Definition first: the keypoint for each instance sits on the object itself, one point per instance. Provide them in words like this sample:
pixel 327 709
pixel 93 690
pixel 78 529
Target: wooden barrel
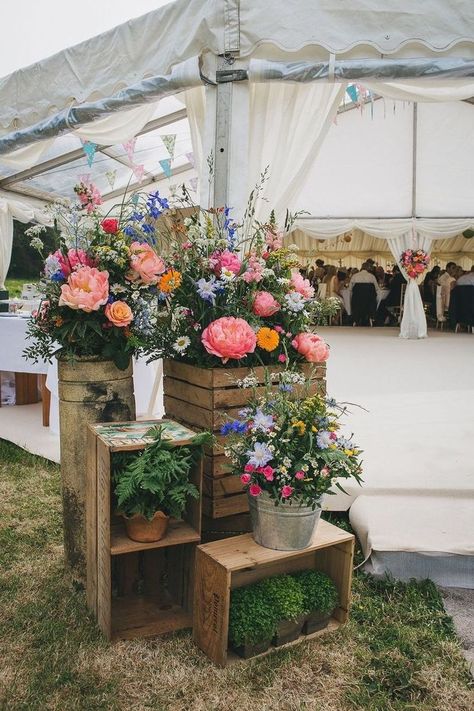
pixel 90 391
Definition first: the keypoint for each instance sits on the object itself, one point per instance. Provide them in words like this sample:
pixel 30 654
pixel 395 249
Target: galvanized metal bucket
pixel 286 527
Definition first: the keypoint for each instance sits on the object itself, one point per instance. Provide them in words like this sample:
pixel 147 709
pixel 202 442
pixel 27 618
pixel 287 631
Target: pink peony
pixel 226 260
pixel 300 475
pixel 229 338
pixel 146 265
pixel 286 491
pixel 245 478
pixel 311 347
pixel 301 285
pixel 264 304
pixel 74 258
pixel 255 490
pixel 87 289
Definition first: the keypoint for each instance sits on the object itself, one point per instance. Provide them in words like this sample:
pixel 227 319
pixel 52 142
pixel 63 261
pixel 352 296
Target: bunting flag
pixel 353 93
pixel 129 147
pixel 85 178
pixel 169 140
pixel 190 159
pixel 134 199
pixel 111 176
pixel 89 149
pixel 166 166
pixel 138 171
pixel 193 183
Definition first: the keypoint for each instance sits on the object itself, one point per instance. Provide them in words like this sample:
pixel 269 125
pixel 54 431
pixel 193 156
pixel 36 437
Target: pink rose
pixel 74 258
pixel 301 285
pixel 110 225
pixel 286 491
pixel 282 358
pixel 249 468
pixel 268 472
pixel 311 347
pixel 227 260
pixel 245 478
pixel 87 289
pixel 264 304
pixel 119 313
pixel 229 338
pixel 300 475
pixel 255 490
pixel 146 265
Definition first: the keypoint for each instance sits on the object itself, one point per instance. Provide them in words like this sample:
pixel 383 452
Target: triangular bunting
pixel 169 140
pixel 89 149
pixel 190 159
pixel 85 178
pixel 193 183
pixel 129 147
pixel 166 166
pixel 353 93
pixel 135 198
pixel 138 171
pixel 111 176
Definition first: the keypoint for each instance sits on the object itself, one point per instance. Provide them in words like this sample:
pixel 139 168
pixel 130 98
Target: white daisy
pixel 181 344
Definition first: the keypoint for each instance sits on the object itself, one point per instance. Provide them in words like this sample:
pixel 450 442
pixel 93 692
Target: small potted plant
pixel 155 485
pixel 286 597
pixel 320 599
pixel 252 620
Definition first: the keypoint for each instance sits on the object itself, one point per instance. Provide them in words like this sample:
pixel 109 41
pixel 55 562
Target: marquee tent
pixel 261 89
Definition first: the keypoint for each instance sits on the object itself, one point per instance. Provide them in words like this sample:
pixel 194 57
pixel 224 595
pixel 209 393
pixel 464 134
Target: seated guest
pixel 466 279
pixel 363 289
pixel 429 289
pixel 380 276
pixel 445 280
pixel 364 277
pixel 393 297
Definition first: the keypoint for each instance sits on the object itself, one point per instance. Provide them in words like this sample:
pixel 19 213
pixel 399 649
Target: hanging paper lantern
pixel 468 234
pixel 347 238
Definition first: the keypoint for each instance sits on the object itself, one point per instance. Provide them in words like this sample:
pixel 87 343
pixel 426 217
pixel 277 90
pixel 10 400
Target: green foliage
pixel 285 595
pixel 251 618
pixel 320 593
pixel 156 479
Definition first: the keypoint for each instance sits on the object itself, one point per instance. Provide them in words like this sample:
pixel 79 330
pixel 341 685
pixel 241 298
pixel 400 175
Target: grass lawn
pixel 14 286
pixel 398 652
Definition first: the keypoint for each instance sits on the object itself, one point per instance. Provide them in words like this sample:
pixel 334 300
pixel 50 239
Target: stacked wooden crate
pixel 206 398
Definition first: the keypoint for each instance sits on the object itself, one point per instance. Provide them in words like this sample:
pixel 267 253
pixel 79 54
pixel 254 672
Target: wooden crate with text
pixel 137 589
pixel 224 565
pixel 206 398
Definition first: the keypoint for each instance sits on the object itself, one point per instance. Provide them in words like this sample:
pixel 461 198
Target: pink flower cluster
pixel 226 260
pixel 75 258
pixel 89 195
pixel 254 271
pixel 301 285
pixel 414 262
pixel 145 264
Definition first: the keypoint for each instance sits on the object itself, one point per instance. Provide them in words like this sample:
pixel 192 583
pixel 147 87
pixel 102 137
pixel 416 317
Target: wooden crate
pixel 205 398
pixel 137 589
pixel 236 562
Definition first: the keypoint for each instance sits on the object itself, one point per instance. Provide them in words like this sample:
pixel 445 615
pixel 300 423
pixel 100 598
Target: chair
pixel 322 289
pixel 363 304
pixel 397 311
pixel 461 307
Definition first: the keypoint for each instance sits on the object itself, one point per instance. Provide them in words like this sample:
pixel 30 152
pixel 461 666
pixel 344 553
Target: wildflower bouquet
pixel 101 285
pixel 236 297
pixel 287 443
pixel 414 262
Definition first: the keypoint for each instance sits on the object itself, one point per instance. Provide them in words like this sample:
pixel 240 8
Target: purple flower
pixel 261 421
pixel 259 455
pixel 324 439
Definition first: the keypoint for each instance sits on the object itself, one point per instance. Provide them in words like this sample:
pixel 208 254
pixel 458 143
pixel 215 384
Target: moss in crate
pixel 320 598
pixel 252 620
pixel 286 597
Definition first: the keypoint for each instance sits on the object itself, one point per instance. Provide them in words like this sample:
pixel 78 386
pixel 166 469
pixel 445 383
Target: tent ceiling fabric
pixel 152 44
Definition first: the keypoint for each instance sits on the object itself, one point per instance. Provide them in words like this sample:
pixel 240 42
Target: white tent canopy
pixel 271 99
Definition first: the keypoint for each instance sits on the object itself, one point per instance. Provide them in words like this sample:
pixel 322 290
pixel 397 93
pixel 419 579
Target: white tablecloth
pixel 12 343
pixel 346 297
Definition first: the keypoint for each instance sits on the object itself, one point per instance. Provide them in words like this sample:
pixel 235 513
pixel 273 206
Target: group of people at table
pixel 371 295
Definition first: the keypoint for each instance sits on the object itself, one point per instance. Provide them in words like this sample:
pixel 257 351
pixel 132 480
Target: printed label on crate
pixel 117 434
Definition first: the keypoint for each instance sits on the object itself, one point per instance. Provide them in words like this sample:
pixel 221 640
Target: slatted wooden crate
pixel 206 398
pixel 137 589
pixel 227 564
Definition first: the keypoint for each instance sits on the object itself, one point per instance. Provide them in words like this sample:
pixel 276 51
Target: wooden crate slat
pixel 216 466
pixel 217 488
pixel 211 607
pixel 179 532
pixel 91 522
pixel 104 583
pixel 227 506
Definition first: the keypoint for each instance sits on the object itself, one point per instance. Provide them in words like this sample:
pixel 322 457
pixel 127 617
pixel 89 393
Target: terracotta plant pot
pixel 288 631
pixel 316 621
pixel 252 650
pixel 141 529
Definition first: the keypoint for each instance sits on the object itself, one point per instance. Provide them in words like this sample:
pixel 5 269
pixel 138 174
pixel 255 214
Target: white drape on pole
pixel 10 210
pixel 288 124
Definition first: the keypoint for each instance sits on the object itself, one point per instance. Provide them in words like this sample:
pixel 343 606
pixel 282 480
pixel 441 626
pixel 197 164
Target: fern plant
pixel 157 479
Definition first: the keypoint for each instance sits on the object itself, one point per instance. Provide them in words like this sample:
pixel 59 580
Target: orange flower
pixel 170 281
pixel 59 321
pixel 267 338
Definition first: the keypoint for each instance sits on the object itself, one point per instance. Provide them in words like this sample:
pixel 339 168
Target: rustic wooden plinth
pixel 239 561
pixel 137 589
pixel 90 391
pixel 206 398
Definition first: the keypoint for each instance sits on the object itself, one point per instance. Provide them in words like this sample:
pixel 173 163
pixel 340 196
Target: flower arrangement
pixel 101 287
pixel 287 442
pixel 238 299
pixel 414 262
